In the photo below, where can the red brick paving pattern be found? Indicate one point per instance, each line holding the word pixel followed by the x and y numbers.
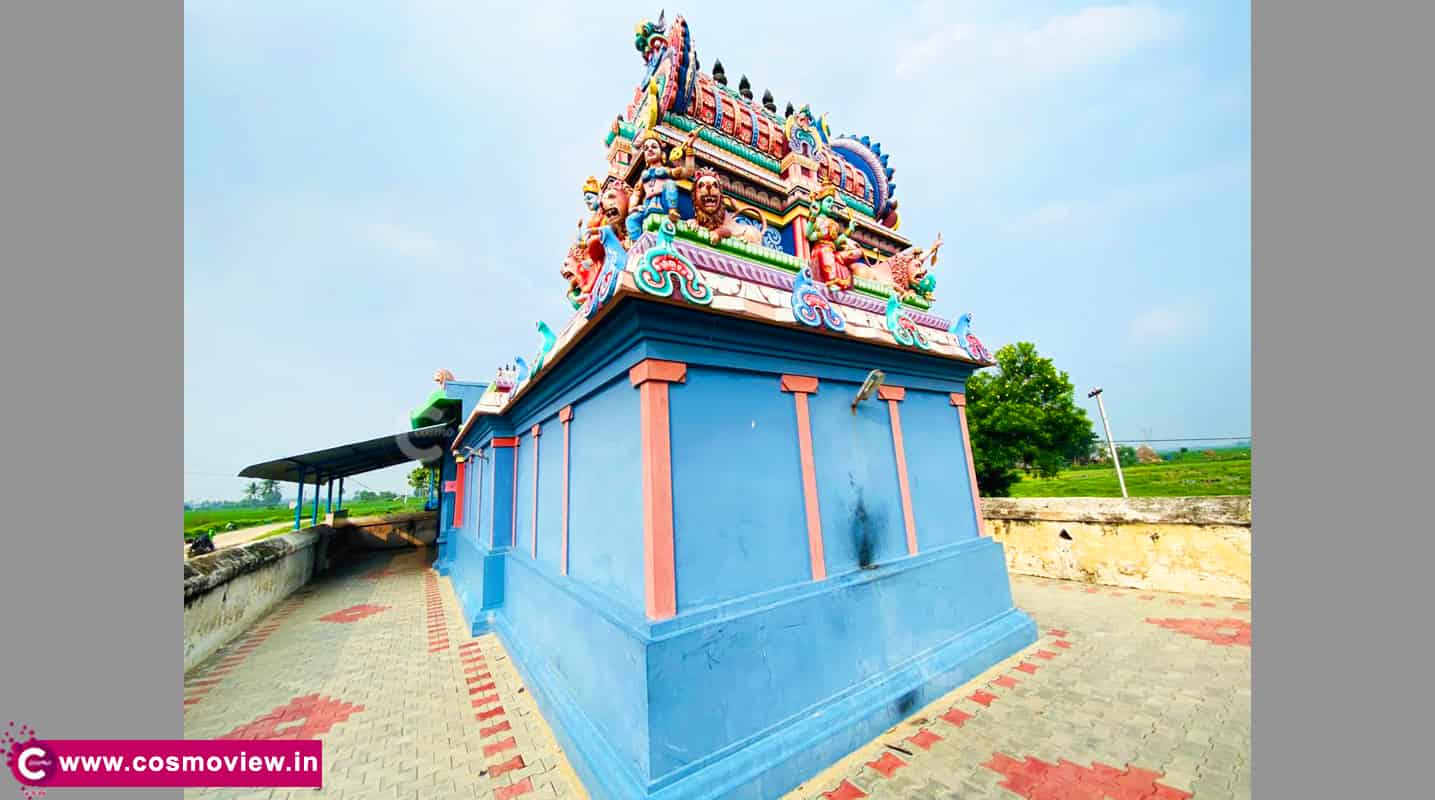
pixel 519 789
pixel 305 717
pixel 1061 712
pixel 353 614
pixel 924 739
pixel 1223 632
pixel 1174 721
pixel 845 791
pixel 887 764
pixel 437 622
pixel 1035 779
pixel 1032 778
pixel 206 678
pixel 392 697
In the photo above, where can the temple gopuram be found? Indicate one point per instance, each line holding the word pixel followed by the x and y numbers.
pixel 725 517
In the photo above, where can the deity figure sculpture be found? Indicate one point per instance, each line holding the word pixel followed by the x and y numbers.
pixel 602 234
pixel 710 211
pixel 832 253
pixel 591 190
pixel 657 189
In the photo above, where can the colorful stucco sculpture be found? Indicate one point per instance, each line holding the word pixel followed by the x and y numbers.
pixel 726 519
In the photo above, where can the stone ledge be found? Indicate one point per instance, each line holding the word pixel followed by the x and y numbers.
pixel 203 573
pixel 1219 510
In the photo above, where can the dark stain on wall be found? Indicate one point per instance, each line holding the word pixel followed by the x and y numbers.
pixel 906 703
pixel 865 533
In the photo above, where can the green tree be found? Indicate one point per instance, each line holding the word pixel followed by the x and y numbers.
pixel 251 493
pixel 270 493
pixel 1023 419
pixel 1127 454
pixel 419 481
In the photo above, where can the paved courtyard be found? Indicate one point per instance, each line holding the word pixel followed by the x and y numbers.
pixel 1127 694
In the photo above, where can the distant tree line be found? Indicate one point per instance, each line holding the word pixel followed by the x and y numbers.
pixel 266 493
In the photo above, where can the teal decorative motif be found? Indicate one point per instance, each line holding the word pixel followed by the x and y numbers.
pixel 548 340
pixel 967 340
pixel 810 304
pixel 664 269
pixel 903 329
pixel 615 260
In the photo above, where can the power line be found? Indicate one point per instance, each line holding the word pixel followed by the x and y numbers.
pixel 1187 439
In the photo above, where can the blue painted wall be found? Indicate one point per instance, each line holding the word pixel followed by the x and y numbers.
pixel 476 503
pixel 937 470
pixel 550 495
pixel 738 520
pixel 781 661
pixel 501 525
pixel 585 661
pixel 523 511
pixel 857 486
pixel 488 514
pixel 605 524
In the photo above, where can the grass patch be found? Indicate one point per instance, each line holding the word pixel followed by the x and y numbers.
pixel 1191 474
pixel 220 519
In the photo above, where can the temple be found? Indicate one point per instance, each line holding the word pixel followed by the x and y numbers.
pixel 725 517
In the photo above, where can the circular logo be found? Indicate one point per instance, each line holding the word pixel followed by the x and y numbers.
pixel 34 763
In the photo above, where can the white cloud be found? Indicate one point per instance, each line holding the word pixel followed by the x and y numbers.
pixel 1088 37
pixel 402 241
pixel 1166 324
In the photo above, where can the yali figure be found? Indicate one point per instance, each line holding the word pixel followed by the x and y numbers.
pixel 657 189
pixel 832 253
pixel 911 271
pixel 710 211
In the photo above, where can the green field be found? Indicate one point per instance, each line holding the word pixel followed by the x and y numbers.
pixel 1210 472
pixel 200 520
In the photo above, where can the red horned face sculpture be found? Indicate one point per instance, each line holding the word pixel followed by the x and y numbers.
pixel 576 269
pixel 613 204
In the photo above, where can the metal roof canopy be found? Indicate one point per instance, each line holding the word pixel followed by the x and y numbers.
pixel 421 444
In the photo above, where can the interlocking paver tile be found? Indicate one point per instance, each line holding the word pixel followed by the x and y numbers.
pixel 392 693
pixel 1105 704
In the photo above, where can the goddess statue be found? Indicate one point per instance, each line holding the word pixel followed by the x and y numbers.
pixel 657 189
pixel 832 252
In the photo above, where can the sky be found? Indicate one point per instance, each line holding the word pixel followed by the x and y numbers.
pixel 377 190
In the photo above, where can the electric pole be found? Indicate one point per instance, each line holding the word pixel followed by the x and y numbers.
pixel 1110 443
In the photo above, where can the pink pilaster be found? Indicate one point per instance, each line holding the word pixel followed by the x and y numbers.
pixel 460 471
pixel 478 497
pixel 513 512
pixel 537 430
pixel 894 395
pixel 565 416
pixel 652 377
pixel 801 386
pixel 960 401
